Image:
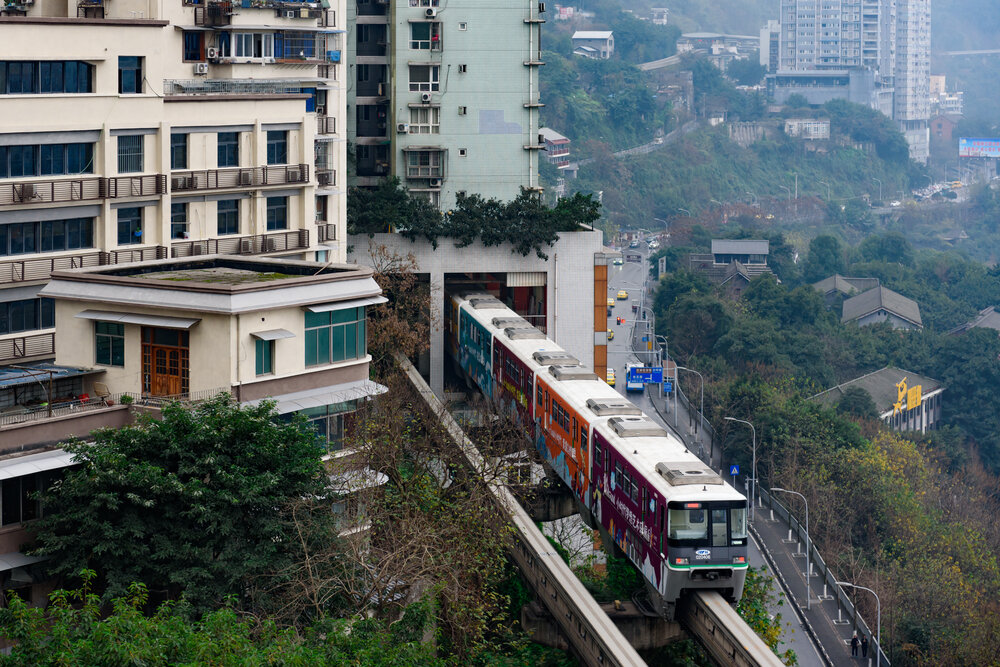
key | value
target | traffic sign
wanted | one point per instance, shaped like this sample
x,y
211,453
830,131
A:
x,y
734,470
668,386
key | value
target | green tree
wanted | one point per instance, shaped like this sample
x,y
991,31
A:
x,y
825,258
892,248
857,402
748,72
388,208
696,322
192,503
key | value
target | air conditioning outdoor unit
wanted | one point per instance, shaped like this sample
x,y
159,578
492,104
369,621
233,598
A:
x,y
291,14
431,12
246,246
435,182
24,192
321,109
201,68
425,97
197,249
270,245
212,53
246,178
179,183
402,128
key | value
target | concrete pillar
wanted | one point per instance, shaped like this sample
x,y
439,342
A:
x,y
437,333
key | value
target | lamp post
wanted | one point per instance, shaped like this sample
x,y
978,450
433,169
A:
x,y
715,201
753,467
829,195
878,621
664,354
684,210
788,190
753,200
691,370
879,189
808,546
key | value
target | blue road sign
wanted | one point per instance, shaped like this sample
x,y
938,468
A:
x,y
668,386
645,374
734,470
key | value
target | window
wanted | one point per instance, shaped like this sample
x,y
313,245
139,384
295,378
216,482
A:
x,y
424,3
129,225
463,68
129,74
424,78
178,151
17,501
462,25
22,238
688,524
277,147
328,422
425,120
109,343
130,154
462,111
249,45
425,35
424,164
229,149
26,315
228,217
462,152
277,213
194,46
178,221
47,77
335,336
265,357
46,160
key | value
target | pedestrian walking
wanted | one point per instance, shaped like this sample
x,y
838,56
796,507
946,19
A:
x,y
864,646
854,645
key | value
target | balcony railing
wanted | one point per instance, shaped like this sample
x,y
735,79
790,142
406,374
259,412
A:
x,y
215,14
243,245
80,189
137,186
230,87
238,177
326,177
326,232
41,268
28,345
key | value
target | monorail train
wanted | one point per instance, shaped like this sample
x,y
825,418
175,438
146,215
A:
x,y
677,520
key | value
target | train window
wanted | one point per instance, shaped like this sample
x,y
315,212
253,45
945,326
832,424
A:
x,y
738,525
719,536
583,438
642,505
598,460
687,524
538,395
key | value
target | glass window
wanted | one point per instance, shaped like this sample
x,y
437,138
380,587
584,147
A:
x,y
23,160
425,120
178,151
335,336
277,213
22,78
26,315
193,43
109,343
228,217
688,524
720,537
129,74
424,78
425,35
130,154
47,77
265,357
178,221
738,524
424,164
129,225
229,149
48,236
277,147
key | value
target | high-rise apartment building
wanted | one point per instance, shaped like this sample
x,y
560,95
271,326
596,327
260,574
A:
x,y
874,52
444,95
135,130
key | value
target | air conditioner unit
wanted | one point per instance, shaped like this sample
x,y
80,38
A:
x,y
246,246
434,182
290,14
402,128
212,53
246,178
270,245
24,192
425,97
197,249
179,183
321,109
201,68
431,12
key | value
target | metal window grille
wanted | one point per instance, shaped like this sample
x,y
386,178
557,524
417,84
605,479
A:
x,y
129,154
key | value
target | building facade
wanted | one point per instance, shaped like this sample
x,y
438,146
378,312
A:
x,y
444,96
903,400
134,131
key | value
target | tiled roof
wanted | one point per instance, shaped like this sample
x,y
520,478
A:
x,y
881,386
739,247
988,318
845,285
881,298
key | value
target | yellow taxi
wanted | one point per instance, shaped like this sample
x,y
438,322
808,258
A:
x,y
611,301
611,334
611,377
622,294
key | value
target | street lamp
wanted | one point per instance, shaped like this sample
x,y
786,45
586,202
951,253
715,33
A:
x,y
715,201
691,370
788,190
879,190
753,468
829,196
684,210
878,621
754,201
808,545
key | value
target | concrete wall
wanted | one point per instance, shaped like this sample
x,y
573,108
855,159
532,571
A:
x,y
570,275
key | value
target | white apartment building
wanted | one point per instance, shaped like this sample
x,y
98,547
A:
x,y
912,74
135,130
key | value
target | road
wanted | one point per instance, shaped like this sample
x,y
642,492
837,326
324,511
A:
x,y
633,278
649,147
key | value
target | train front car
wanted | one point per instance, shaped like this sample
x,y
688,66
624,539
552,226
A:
x,y
679,523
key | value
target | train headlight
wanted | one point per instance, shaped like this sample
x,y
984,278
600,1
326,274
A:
x,y
739,560
680,561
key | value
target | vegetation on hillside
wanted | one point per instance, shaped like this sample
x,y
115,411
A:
x,y
909,516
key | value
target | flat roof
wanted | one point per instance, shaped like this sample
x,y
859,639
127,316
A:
x,y
39,371
592,34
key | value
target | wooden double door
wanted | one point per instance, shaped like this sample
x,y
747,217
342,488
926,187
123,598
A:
x,y
165,362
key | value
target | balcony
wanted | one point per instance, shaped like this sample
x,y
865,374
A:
x,y
90,9
215,14
41,268
28,345
80,189
243,245
231,87
238,177
326,232
326,177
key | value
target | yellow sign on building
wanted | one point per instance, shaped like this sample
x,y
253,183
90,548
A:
x,y
912,395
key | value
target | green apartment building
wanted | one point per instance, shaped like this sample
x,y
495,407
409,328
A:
x,y
444,95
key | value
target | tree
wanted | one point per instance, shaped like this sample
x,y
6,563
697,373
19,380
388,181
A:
x,y
891,247
825,258
796,101
192,504
856,402
389,207
747,72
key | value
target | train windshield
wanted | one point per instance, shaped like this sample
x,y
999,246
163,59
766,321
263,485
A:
x,y
707,524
